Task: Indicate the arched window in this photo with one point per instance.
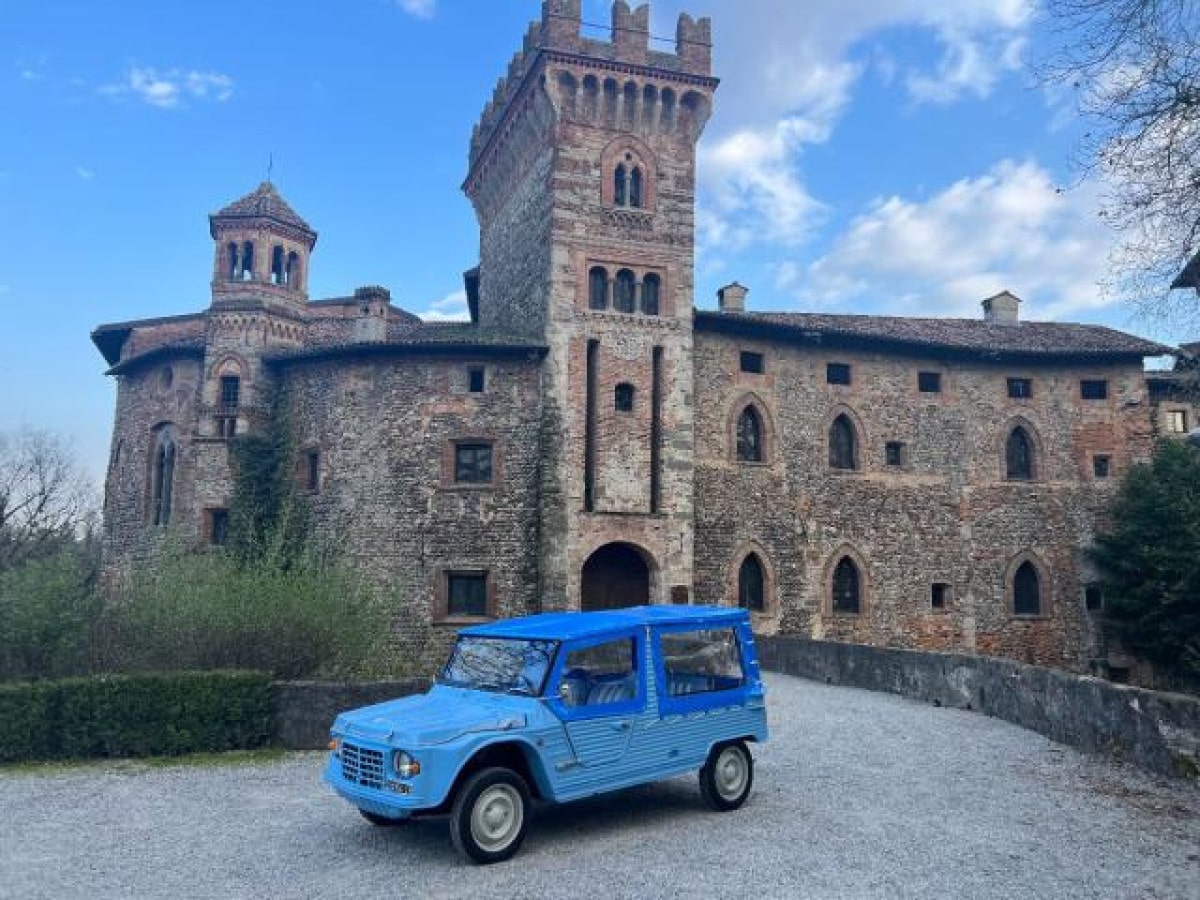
(843, 444)
(635, 188)
(1027, 590)
(231, 261)
(623, 293)
(749, 436)
(846, 587)
(277, 276)
(598, 288)
(752, 584)
(291, 275)
(163, 477)
(620, 186)
(247, 272)
(1018, 455)
(650, 291)
(623, 397)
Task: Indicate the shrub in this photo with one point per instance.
(47, 608)
(150, 714)
(213, 610)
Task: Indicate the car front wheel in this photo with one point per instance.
(487, 823)
(726, 778)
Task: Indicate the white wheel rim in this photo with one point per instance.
(496, 817)
(731, 773)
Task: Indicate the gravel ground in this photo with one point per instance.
(856, 795)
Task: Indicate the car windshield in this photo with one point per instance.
(508, 665)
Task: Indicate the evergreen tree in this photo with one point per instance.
(1150, 561)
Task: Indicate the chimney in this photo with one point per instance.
(371, 323)
(732, 298)
(1002, 309)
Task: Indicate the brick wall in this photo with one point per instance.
(946, 515)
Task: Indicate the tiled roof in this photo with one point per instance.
(966, 335)
(185, 347)
(446, 337)
(263, 202)
(110, 338)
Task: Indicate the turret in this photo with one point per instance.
(262, 250)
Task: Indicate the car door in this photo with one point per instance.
(600, 691)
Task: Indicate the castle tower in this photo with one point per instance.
(259, 291)
(582, 174)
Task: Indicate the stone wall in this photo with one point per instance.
(151, 396)
(385, 429)
(303, 711)
(1157, 731)
(945, 515)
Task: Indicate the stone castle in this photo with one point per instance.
(591, 439)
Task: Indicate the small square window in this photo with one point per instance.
(466, 594)
(473, 463)
(939, 596)
(1101, 466)
(929, 382)
(623, 397)
(1020, 388)
(893, 453)
(476, 380)
(1093, 389)
(1093, 598)
(752, 362)
(218, 526)
(312, 470)
(837, 373)
(1177, 421)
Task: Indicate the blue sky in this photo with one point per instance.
(888, 156)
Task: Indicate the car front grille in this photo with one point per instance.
(362, 766)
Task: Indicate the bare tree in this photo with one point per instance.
(1135, 68)
(44, 497)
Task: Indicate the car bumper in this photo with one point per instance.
(380, 801)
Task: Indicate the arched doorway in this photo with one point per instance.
(615, 576)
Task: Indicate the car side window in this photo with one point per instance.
(697, 662)
(599, 675)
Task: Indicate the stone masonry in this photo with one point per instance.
(582, 441)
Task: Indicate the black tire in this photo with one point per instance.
(381, 821)
(490, 812)
(726, 779)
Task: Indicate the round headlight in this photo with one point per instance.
(405, 765)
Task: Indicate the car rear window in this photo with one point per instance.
(701, 661)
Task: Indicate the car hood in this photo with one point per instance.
(439, 716)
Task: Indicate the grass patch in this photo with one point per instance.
(231, 759)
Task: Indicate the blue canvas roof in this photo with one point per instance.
(571, 625)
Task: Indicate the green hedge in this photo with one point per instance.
(152, 714)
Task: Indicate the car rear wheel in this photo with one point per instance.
(487, 823)
(727, 777)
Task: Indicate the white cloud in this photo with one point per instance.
(168, 90)
(1010, 228)
(451, 308)
(422, 9)
(789, 72)
(85, 173)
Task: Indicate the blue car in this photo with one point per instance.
(558, 707)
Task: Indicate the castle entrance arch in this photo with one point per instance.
(616, 575)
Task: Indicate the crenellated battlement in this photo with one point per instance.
(561, 30)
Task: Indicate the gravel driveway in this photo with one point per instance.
(856, 795)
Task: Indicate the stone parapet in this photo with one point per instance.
(1151, 729)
